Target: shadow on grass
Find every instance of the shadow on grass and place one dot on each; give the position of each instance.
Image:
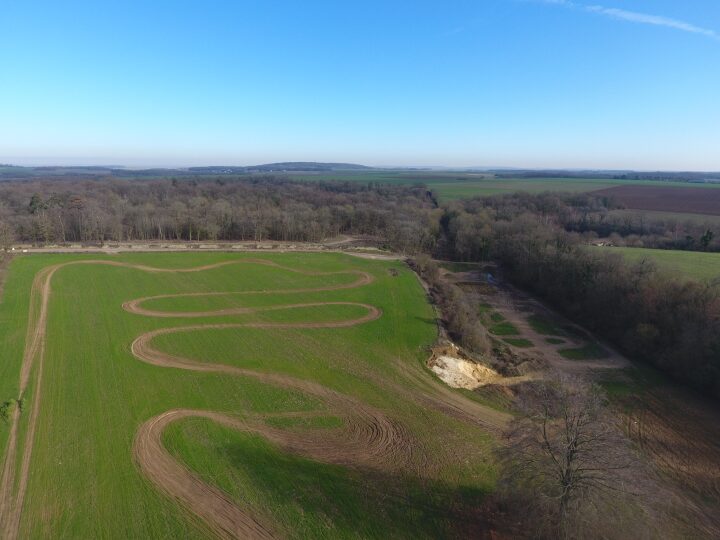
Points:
(427, 320)
(308, 499)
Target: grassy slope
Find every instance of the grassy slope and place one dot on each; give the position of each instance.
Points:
(83, 481)
(692, 264)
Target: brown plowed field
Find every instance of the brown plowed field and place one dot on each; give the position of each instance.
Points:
(693, 200)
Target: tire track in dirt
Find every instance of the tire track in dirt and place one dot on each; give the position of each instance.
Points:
(369, 437)
(373, 313)
(679, 434)
(222, 515)
(10, 507)
(449, 401)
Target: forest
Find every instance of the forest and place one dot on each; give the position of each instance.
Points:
(261, 208)
(540, 242)
(644, 312)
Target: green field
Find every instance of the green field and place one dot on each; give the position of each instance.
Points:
(95, 393)
(690, 264)
(448, 191)
(462, 185)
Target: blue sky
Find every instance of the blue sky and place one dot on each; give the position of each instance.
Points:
(526, 83)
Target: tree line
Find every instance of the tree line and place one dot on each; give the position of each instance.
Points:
(258, 209)
(459, 313)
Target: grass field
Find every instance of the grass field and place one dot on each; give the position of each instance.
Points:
(265, 429)
(691, 264)
(448, 191)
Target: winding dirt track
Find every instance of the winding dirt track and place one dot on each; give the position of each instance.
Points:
(368, 437)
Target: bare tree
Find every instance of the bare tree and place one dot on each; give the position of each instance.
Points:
(567, 460)
(6, 236)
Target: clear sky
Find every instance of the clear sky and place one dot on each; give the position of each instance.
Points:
(526, 83)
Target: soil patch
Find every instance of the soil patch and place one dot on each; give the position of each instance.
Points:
(459, 373)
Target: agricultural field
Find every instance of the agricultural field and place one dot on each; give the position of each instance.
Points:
(448, 191)
(182, 395)
(690, 264)
(667, 217)
(695, 199)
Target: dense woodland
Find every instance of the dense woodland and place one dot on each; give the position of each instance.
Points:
(264, 208)
(539, 241)
(599, 217)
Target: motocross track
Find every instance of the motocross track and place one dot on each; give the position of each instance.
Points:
(367, 437)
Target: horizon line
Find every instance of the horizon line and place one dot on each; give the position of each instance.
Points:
(378, 167)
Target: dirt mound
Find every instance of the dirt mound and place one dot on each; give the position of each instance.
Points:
(458, 370)
(460, 373)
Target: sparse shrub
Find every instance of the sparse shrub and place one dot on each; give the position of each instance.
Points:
(7, 408)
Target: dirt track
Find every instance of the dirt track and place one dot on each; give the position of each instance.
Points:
(368, 437)
(382, 432)
(10, 508)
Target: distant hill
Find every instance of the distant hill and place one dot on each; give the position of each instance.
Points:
(353, 171)
(17, 172)
(289, 166)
